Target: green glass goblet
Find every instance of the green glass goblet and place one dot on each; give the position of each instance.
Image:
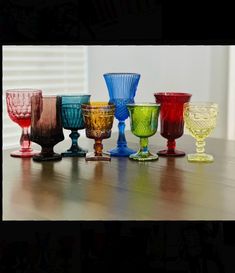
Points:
(144, 123)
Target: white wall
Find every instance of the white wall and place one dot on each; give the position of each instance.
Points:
(200, 70)
(231, 94)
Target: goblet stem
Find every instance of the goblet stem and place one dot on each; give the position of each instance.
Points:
(143, 154)
(200, 146)
(144, 144)
(200, 155)
(47, 151)
(74, 137)
(47, 154)
(121, 137)
(25, 140)
(98, 146)
(171, 145)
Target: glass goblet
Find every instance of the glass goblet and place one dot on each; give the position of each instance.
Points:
(200, 120)
(72, 119)
(19, 110)
(122, 89)
(98, 120)
(171, 119)
(46, 126)
(144, 123)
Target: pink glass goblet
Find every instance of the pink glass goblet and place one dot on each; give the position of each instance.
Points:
(19, 110)
(171, 119)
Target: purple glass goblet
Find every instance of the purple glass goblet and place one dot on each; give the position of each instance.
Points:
(46, 126)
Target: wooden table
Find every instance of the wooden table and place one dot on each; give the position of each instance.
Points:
(167, 189)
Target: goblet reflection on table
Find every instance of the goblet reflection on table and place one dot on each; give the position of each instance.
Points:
(98, 120)
(171, 119)
(200, 120)
(122, 89)
(72, 119)
(19, 110)
(144, 122)
(46, 126)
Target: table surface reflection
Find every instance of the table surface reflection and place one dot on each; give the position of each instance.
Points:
(167, 189)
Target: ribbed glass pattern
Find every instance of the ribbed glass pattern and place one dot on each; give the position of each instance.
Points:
(72, 116)
(72, 119)
(122, 88)
(71, 111)
(122, 85)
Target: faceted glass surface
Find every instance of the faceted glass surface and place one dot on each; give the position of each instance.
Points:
(19, 110)
(144, 123)
(98, 118)
(200, 120)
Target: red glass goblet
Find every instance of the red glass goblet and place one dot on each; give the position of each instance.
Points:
(19, 110)
(46, 126)
(171, 119)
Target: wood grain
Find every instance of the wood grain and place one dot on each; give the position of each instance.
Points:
(167, 189)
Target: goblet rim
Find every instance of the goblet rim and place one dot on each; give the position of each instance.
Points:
(23, 90)
(75, 95)
(121, 73)
(207, 104)
(143, 104)
(98, 105)
(64, 105)
(172, 94)
(50, 96)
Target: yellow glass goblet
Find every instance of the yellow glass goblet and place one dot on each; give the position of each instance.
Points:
(200, 120)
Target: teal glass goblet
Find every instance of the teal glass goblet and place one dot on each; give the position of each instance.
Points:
(72, 119)
(144, 123)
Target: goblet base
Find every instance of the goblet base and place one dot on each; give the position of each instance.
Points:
(92, 157)
(174, 153)
(200, 158)
(24, 154)
(121, 152)
(69, 153)
(41, 157)
(143, 156)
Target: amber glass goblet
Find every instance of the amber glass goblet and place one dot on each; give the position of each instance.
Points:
(19, 110)
(200, 120)
(46, 126)
(98, 120)
(171, 119)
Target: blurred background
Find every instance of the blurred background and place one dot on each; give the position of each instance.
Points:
(207, 72)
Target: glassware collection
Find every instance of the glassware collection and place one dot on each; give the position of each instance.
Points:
(49, 115)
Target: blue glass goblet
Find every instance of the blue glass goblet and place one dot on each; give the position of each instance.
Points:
(72, 119)
(122, 88)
